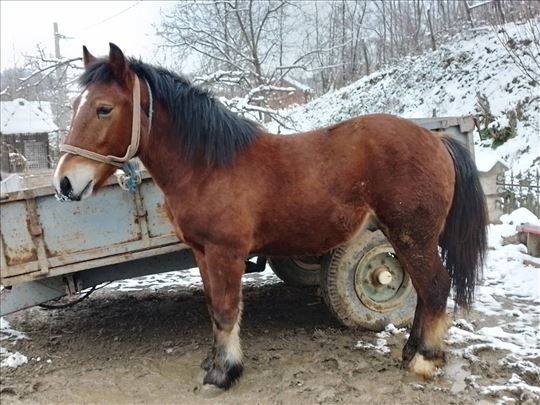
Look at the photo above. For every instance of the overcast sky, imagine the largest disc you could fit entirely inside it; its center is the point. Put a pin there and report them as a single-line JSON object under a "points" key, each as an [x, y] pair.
{"points": [[129, 24]]}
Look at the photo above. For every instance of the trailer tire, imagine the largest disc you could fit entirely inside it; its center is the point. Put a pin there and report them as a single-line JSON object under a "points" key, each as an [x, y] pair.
{"points": [[363, 284], [297, 271]]}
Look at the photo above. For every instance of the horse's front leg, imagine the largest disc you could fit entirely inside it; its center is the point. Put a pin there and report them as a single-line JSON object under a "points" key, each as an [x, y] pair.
{"points": [[221, 271]]}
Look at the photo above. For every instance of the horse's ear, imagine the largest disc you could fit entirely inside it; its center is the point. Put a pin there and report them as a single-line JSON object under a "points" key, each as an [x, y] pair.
{"points": [[88, 58], [118, 61]]}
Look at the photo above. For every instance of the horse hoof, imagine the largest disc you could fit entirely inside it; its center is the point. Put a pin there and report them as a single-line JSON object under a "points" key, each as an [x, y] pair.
{"points": [[223, 378], [207, 363], [438, 358], [422, 367], [407, 355]]}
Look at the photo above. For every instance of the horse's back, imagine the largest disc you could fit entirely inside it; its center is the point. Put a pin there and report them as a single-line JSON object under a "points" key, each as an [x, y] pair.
{"points": [[367, 156]]}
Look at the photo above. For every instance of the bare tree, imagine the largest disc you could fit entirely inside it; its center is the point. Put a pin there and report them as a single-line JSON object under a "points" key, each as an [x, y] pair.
{"points": [[56, 75], [244, 39], [524, 48], [331, 43], [431, 29], [338, 45], [44, 78]]}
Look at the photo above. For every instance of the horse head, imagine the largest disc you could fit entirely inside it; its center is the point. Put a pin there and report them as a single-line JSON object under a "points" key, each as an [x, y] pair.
{"points": [[105, 127]]}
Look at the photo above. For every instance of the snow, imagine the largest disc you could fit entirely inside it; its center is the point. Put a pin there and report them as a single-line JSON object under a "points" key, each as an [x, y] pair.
{"points": [[169, 280], [12, 360], [26, 117], [485, 161], [381, 343], [520, 216], [380, 346], [7, 334], [185, 278], [514, 385], [509, 300], [505, 272], [446, 82], [298, 85]]}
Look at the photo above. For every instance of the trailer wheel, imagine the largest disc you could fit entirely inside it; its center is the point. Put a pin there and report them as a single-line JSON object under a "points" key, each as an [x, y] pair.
{"points": [[364, 285], [302, 271]]}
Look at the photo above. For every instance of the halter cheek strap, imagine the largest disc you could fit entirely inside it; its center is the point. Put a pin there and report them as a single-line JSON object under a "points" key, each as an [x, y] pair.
{"points": [[133, 147]]}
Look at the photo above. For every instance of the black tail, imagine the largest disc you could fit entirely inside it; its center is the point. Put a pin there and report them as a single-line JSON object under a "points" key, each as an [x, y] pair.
{"points": [[464, 240]]}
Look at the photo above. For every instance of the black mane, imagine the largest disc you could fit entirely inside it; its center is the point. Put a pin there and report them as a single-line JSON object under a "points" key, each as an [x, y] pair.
{"points": [[206, 128]]}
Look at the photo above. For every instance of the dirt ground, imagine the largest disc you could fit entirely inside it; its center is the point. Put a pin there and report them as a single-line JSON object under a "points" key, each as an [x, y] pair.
{"points": [[146, 347]]}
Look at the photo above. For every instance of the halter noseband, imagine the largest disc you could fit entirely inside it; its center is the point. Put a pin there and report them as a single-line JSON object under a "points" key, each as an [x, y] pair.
{"points": [[133, 147]]}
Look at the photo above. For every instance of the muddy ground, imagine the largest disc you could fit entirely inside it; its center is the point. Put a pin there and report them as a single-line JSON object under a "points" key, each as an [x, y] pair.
{"points": [[146, 347]]}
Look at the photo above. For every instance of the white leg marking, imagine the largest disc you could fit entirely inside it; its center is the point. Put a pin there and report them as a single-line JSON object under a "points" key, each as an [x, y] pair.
{"points": [[435, 334], [228, 344], [422, 367]]}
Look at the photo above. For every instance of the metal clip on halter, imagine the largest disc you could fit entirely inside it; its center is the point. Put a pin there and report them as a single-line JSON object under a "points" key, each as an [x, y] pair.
{"points": [[131, 177]]}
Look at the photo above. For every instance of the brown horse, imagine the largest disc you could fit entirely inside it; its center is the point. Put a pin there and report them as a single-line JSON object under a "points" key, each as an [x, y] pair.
{"points": [[232, 190]]}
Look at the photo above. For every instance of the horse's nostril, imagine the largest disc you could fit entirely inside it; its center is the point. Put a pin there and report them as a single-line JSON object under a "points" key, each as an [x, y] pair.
{"points": [[65, 186]]}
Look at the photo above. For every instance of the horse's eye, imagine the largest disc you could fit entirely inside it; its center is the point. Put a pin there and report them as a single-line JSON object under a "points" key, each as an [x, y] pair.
{"points": [[104, 111]]}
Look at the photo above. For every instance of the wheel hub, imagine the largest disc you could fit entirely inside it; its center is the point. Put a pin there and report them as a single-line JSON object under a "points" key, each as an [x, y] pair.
{"points": [[382, 276], [380, 283]]}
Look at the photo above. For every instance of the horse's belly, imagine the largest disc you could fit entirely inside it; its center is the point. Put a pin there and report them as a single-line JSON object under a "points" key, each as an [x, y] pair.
{"points": [[299, 235], [298, 247]]}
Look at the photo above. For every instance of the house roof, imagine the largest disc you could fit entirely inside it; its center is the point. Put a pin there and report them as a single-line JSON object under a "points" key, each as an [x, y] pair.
{"points": [[26, 117], [298, 85]]}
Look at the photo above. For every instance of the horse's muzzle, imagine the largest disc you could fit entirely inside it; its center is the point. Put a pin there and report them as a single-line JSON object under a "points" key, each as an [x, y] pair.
{"points": [[65, 192]]}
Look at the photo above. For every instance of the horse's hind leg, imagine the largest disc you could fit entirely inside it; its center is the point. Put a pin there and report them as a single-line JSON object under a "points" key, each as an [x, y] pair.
{"points": [[222, 271], [423, 351]]}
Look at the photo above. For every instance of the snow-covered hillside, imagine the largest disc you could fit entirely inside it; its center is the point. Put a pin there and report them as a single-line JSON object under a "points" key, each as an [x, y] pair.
{"points": [[448, 82]]}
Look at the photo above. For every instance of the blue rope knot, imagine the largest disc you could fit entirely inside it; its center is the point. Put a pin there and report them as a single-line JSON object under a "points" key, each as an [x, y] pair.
{"points": [[132, 177]]}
